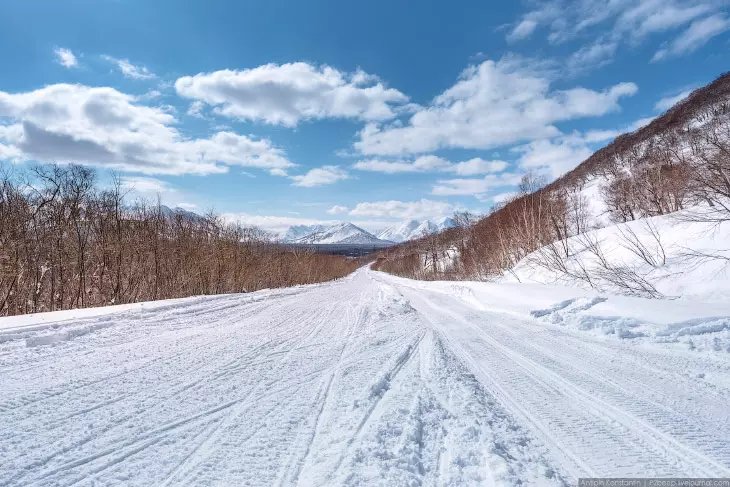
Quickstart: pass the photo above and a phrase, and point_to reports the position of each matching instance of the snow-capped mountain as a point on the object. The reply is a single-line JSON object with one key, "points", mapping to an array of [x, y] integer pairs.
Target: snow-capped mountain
{"points": [[170, 213], [411, 229], [341, 233], [296, 232]]}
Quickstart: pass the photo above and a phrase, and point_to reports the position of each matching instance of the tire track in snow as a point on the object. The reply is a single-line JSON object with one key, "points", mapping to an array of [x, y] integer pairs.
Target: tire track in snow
{"points": [[604, 414]]}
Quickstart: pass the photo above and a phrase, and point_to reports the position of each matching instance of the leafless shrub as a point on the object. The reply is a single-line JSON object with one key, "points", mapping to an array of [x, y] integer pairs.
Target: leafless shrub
{"points": [[64, 243], [656, 256], [627, 279]]}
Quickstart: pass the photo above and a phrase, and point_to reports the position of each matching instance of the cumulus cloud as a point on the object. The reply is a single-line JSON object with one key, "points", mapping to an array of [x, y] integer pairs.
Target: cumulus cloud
{"points": [[337, 209], [556, 156], [431, 163], [423, 208], [65, 57], [493, 104], [320, 176], [288, 93], [477, 187], [696, 36], [104, 127], [129, 70]]}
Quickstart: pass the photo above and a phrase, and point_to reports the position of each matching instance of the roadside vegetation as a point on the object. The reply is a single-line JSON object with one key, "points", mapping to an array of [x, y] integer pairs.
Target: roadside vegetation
{"points": [[66, 242]]}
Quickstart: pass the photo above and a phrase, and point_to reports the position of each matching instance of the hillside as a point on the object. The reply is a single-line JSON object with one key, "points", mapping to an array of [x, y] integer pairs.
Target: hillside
{"points": [[677, 164]]}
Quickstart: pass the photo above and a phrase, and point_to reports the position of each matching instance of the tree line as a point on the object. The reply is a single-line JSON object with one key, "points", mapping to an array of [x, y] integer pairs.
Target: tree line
{"points": [[66, 242]]}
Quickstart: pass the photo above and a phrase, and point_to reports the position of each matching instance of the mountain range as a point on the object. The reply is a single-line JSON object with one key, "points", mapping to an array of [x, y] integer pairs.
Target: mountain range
{"points": [[348, 233], [411, 229], [340, 233]]}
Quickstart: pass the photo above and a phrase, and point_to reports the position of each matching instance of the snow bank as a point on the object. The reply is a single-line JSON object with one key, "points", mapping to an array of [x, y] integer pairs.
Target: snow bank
{"points": [[664, 256], [682, 323]]}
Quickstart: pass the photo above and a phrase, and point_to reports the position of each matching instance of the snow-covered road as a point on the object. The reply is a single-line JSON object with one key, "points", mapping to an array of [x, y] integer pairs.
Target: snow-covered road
{"points": [[368, 380]]}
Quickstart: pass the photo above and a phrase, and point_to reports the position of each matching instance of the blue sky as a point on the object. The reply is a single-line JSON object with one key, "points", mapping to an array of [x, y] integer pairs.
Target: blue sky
{"points": [[282, 112]]}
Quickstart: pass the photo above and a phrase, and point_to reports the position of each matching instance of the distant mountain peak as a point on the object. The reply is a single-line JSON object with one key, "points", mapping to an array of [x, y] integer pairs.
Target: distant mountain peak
{"points": [[412, 229], [339, 233]]}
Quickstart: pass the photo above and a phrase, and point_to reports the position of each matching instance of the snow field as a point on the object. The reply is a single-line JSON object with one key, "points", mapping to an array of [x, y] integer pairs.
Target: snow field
{"points": [[369, 380]]}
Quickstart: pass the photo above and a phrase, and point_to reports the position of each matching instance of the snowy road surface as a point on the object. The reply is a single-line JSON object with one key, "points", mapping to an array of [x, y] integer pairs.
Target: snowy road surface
{"points": [[368, 380]]}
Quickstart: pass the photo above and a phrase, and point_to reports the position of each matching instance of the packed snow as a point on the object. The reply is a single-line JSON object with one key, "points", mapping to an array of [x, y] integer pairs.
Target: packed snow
{"points": [[369, 380]]}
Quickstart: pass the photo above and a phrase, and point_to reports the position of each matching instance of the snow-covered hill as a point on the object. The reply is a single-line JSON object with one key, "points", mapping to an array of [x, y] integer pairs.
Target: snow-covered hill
{"points": [[341, 233], [666, 256], [410, 229]]}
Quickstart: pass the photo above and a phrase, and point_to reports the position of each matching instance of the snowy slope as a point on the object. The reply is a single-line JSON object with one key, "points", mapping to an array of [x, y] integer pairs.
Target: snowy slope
{"points": [[369, 380], [342, 233], [410, 229], [295, 232], [679, 263]]}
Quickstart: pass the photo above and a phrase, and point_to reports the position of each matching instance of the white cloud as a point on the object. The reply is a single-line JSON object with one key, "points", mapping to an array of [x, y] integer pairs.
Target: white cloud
{"points": [[423, 208], [504, 197], [493, 104], [337, 209], [478, 166], [196, 109], [187, 206], [320, 176], [642, 122], [431, 163], [668, 102], [592, 56], [477, 187], [556, 156], [522, 30], [104, 127], [628, 20], [277, 171], [150, 95], [129, 70], [288, 93], [616, 22], [65, 57], [696, 36], [594, 136], [461, 187], [146, 185]]}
